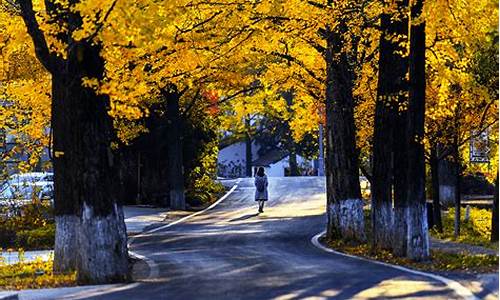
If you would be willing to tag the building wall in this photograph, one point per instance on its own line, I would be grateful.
(231, 160)
(278, 169)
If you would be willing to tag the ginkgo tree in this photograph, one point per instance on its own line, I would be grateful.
(90, 231)
(358, 66)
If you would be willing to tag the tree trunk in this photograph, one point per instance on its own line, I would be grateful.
(294, 168)
(344, 203)
(390, 128)
(418, 236)
(458, 192)
(321, 159)
(494, 214)
(447, 184)
(175, 165)
(248, 149)
(401, 183)
(434, 164)
(90, 229)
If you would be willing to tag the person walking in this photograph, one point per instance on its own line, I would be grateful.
(261, 183)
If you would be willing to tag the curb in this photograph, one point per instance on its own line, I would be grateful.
(9, 296)
(154, 269)
(459, 289)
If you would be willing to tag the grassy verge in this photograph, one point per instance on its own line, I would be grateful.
(32, 229)
(33, 275)
(440, 261)
(475, 231)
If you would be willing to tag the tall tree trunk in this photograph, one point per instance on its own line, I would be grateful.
(294, 167)
(89, 216)
(447, 181)
(290, 142)
(389, 128)
(248, 149)
(321, 155)
(90, 230)
(494, 212)
(458, 192)
(66, 209)
(344, 204)
(418, 236)
(175, 159)
(434, 164)
(400, 171)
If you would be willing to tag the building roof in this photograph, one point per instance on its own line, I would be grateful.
(269, 158)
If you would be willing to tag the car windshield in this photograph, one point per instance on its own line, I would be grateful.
(30, 178)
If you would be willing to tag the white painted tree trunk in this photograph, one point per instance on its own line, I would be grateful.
(347, 219)
(66, 246)
(177, 199)
(102, 240)
(400, 238)
(383, 229)
(418, 237)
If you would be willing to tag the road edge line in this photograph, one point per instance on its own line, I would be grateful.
(191, 215)
(459, 289)
(154, 270)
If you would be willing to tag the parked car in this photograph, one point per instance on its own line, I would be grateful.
(30, 177)
(27, 178)
(14, 195)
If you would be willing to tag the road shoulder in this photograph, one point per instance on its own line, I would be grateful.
(454, 285)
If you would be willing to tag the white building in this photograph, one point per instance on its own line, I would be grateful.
(231, 161)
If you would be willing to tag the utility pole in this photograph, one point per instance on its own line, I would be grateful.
(321, 159)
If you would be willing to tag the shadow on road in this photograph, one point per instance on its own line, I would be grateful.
(245, 217)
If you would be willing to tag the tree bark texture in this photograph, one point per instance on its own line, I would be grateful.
(418, 238)
(344, 203)
(90, 229)
(248, 149)
(458, 192)
(174, 136)
(294, 168)
(434, 164)
(388, 151)
(447, 182)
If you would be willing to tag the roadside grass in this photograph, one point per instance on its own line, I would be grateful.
(440, 261)
(475, 231)
(33, 275)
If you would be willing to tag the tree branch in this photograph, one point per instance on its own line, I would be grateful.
(41, 48)
(101, 24)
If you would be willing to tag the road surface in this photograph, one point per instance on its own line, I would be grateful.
(231, 252)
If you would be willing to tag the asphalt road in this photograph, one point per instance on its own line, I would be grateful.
(231, 252)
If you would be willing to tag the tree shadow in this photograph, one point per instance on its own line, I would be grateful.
(245, 217)
(262, 259)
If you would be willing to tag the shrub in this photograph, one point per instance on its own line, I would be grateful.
(40, 238)
(475, 232)
(30, 228)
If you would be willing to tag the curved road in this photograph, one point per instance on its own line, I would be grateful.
(230, 252)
